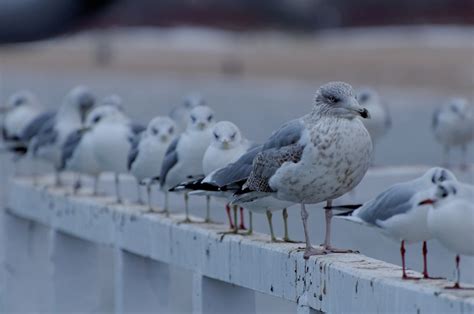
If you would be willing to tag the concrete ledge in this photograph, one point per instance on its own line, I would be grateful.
(335, 283)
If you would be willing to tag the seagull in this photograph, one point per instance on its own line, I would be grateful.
(451, 219)
(453, 126)
(180, 113)
(22, 108)
(397, 212)
(77, 152)
(316, 158)
(111, 142)
(227, 145)
(380, 121)
(148, 152)
(183, 158)
(53, 128)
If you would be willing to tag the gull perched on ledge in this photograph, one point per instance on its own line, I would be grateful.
(316, 158)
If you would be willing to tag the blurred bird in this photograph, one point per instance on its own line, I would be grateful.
(53, 128)
(111, 141)
(227, 145)
(380, 121)
(318, 157)
(22, 108)
(451, 219)
(148, 151)
(180, 113)
(453, 126)
(78, 154)
(398, 213)
(183, 158)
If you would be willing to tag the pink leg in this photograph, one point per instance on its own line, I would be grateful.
(425, 263)
(242, 224)
(404, 274)
(231, 224)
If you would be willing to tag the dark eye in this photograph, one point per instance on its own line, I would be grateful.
(233, 136)
(18, 102)
(454, 191)
(332, 99)
(193, 119)
(216, 136)
(96, 119)
(209, 118)
(171, 130)
(154, 131)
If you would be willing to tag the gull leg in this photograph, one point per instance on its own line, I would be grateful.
(186, 209)
(457, 285)
(250, 231)
(234, 229)
(165, 209)
(57, 178)
(270, 225)
(95, 188)
(77, 184)
(117, 188)
(327, 240)
(242, 224)
(148, 195)
(464, 164)
(425, 264)
(208, 209)
(235, 209)
(404, 273)
(139, 194)
(229, 217)
(308, 250)
(286, 238)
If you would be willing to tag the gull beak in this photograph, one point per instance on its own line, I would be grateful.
(353, 105)
(201, 125)
(427, 201)
(225, 144)
(164, 138)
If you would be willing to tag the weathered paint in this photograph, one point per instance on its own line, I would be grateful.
(335, 283)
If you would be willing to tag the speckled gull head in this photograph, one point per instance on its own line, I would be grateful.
(105, 113)
(459, 106)
(226, 135)
(338, 99)
(161, 128)
(367, 95)
(200, 118)
(81, 100)
(22, 98)
(437, 175)
(442, 193)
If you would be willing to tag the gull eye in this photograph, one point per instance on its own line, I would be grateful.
(96, 119)
(232, 137)
(216, 136)
(332, 99)
(154, 131)
(209, 119)
(193, 119)
(171, 130)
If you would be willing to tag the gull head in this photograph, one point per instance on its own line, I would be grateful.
(192, 101)
(458, 106)
(113, 100)
(443, 192)
(162, 128)
(200, 118)
(338, 99)
(22, 98)
(438, 175)
(367, 95)
(81, 100)
(105, 113)
(225, 135)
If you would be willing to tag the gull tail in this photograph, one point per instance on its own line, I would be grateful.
(246, 196)
(350, 213)
(194, 185)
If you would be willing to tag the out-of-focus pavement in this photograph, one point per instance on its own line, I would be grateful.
(261, 80)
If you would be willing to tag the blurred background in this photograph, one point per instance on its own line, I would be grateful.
(257, 63)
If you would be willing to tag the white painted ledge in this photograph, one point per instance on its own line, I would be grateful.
(335, 283)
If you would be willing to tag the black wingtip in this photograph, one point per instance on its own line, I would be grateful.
(344, 207)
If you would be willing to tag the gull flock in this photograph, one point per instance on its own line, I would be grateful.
(315, 158)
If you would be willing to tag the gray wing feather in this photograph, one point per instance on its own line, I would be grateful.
(47, 135)
(287, 134)
(37, 124)
(70, 145)
(435, 119)
(394, 201)
(169, 161)
(236, 171)
(133, 154)
(137, 128)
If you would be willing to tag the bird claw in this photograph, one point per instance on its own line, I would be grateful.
(407, 277)
(311, 251)
(330, 249)
(288, 240)
(428, 277)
